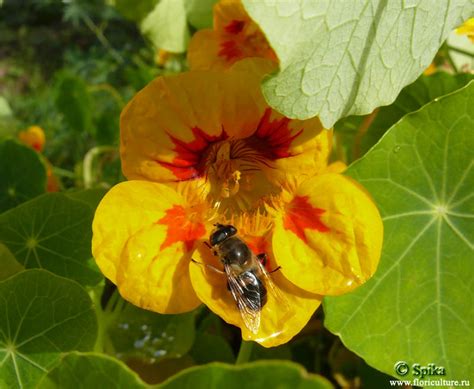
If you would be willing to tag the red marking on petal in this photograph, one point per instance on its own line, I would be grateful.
(259, 245)
(180, 229)
(229, 50)
(187, 164)
(275, 135)
(235, 26)
(38, 146)
(301, 215)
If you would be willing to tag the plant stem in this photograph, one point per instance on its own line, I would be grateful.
(102, 39)
(361, 131)
(460, 51)
(63, 172)
(89, 158)
(244, 353)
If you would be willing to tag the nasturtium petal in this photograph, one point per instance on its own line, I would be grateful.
(328, 238)
(337, 60)
(419, 306)
(203, 51)
(143, 240)
(171, 122)
(234, 37)
(171, 127)
(282, 317)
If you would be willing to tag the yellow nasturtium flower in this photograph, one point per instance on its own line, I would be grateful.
(467, 28)
(34, 137)
(203, 147)
(235, 36)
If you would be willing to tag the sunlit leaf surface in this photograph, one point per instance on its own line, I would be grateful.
(419, 306)
(52, 232)
(41, 316)
(360, 133)
(339, 58)
(89, 370)
(255, 375)
(166, 26)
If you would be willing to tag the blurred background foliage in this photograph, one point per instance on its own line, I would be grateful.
(70, 67)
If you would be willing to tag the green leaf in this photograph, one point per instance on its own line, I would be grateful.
(413, 97)
(89, 370)
(5, 109)
(8, 264)
(268, 374)
(74, 102)
(211, 348)
(199, 12)
(166, 26)
(91, 197)
(52, 232)
(424, 90)
(338, 60)
(42, 316)
(419, 306)
(150, 336)
(22, 174)
(134, 10)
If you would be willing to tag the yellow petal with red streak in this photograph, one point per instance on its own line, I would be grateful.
(328, 238)
(143, 242)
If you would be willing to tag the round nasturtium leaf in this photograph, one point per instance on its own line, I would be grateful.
(255, 375)
(41, 316)
(412, 98)
(22, 174)
(166, 26)
(90, 370)
(424, 90)
(8, 263)
(339, 59)
(52, 232)
(419, 306)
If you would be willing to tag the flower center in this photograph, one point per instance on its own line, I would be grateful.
(235, 172)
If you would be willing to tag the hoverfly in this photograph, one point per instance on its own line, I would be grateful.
(247, 279)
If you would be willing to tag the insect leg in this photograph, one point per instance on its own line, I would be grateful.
(208, 266)
(274, 270)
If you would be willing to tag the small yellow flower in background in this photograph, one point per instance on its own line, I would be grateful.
(33, 137)
(467, 29)
(162, 56)
(203, 147)
(234, 37)
(430, 69)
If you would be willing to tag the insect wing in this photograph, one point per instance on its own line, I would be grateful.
(283, 304)
(246, 296)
